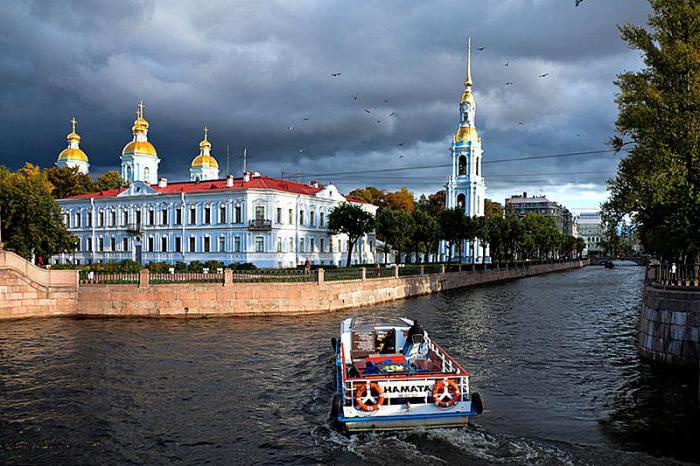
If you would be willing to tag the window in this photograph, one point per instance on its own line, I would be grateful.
(330, 245)
(312, 218)
(259, 244)
(146, 173)
(151, 217)
(89, 244)
(88, 218)
(126, 216)
(193, 244)
(125, 244)
(279, 242)
(291, 217)
(207, 244)
(279, 215)
(291, 244)
(112, 244)
(178, 244)
(222, 244)
(462, 166)
(100, 244)
(207, 215)
(301, 217)
(238, 214)
(313, 245)
(164, 217)
(461, 201)
(237, 244)
(100, 219)
(323, 245)
(113, 217)
(301, 244)
(178, 216)
(340, 245)
(164, 244)
(476, 165)
(193, 215)
(77, 219)
(222, 214)
(259, 212)
(151, 246)
(320, 219)
(138, 217)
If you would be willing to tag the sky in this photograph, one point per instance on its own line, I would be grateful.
(258, 74)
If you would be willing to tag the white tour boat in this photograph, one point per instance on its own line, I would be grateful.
(391, 375)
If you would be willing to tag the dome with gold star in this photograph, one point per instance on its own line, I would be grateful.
(205, 159)
(73, 152)
(140, 144)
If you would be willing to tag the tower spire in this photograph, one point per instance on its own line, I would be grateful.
(468, 81)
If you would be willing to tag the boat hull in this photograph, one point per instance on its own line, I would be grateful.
(406, 422)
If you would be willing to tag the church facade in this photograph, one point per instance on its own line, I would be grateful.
(249, 219)
(466, 187)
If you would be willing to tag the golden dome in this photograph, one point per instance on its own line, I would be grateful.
(468, 97)
(73, 137)
(140, 148)
(205, 161)
(72, 154)
(467, 134)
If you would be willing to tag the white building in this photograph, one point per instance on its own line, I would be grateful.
(589, 227)
(466, 187)
(252, 219)
(73, 156)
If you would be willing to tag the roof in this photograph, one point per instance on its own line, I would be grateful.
(369, 323)
(255, 182)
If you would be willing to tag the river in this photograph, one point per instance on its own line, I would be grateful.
(553, 356)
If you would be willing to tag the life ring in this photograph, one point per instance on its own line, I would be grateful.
(369, 397)
(445, 393)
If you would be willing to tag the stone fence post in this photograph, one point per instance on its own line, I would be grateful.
(442, 269)
(459, 268)
(228, 277)
(396, 270)
(422, 270)
(321, 275)
(144, 278)
(363, 273)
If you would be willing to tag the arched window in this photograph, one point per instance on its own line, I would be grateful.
(461, 201)
(462, 166)
(128, 173)
(476, 164)
(147, 173)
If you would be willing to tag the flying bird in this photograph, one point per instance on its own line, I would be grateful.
(302, 149)
(305, 119)
(544, 75)
(368, 111)
(386, 101)
(401, 144)
(505, 64)
(520, 123)
(480, 49)
(509, 84)
(578, 2)
(355, 96)
(334, 75)
(379, 121)
(392, 114)
(291, 127)
(400, 156)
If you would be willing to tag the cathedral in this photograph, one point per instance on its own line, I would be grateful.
(248, 219)
(466, 188)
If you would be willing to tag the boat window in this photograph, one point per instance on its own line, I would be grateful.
(386, 341)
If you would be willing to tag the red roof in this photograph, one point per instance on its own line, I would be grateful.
(257, 182)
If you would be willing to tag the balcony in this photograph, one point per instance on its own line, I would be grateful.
(260, 224)
(134, 228)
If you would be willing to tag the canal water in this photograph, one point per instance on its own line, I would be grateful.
(553, 356)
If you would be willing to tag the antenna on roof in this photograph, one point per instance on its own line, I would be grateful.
(245, 156)
(228, 155)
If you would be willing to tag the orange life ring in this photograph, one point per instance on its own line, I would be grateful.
(445, 393)
(369, 397)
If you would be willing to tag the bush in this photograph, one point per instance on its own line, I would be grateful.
(158, 267)
(244, 266)
(181, 267)
(195, 266)
(213, 266)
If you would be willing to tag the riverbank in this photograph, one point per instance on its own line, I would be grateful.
(25, 297)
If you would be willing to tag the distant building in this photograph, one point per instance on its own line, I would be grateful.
(589, 227)
(522, 205)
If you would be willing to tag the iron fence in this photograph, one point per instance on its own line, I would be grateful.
(676, 275)
(274, 275)
(107, 278)
(185, 277)
(352, 273)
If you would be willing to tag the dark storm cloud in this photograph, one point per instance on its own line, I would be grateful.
(249, 70)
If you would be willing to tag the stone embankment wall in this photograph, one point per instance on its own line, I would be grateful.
(669, 325)
(30, 291)
(260, 299)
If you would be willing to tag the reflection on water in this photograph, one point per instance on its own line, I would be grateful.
(553, 356)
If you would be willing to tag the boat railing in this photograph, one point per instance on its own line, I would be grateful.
(351, 385)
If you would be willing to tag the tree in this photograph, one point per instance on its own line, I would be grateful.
(434, 204)
(658, 183)
(401, 200)
(369, 195)
(110, 180)
(67, 182)
(492, 209)
(454, 228)
(426, 232)
(32, 224)
(352, 220)
(388, 228)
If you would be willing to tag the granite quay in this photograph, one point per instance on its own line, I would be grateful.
(29, 291)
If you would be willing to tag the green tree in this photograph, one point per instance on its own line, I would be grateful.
(454, 228)
(110, 180)
(434, 204)
(426, 232)
(31, 219)
(658, 183)
(352, 220)
(388, 228)
(480, 231)
(67, 182)
(492, 208)
(401, 200)
(369, 195)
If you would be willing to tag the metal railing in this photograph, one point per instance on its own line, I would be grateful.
(260, 224)
(674, 275)
(274, 275)
(185, 277)
(107, 278)
(352, 273)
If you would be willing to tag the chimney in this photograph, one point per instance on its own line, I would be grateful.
(524, 194)
(246, 177)
(163, 182)
(229, 181)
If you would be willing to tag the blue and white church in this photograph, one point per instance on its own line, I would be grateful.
(466, 187)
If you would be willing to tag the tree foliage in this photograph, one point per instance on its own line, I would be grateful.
(31, 219)
(658, 183)
(352, 220)
(492, 208)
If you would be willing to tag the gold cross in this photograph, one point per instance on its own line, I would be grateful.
(141, 106)
(73, 122)
(206, 132)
